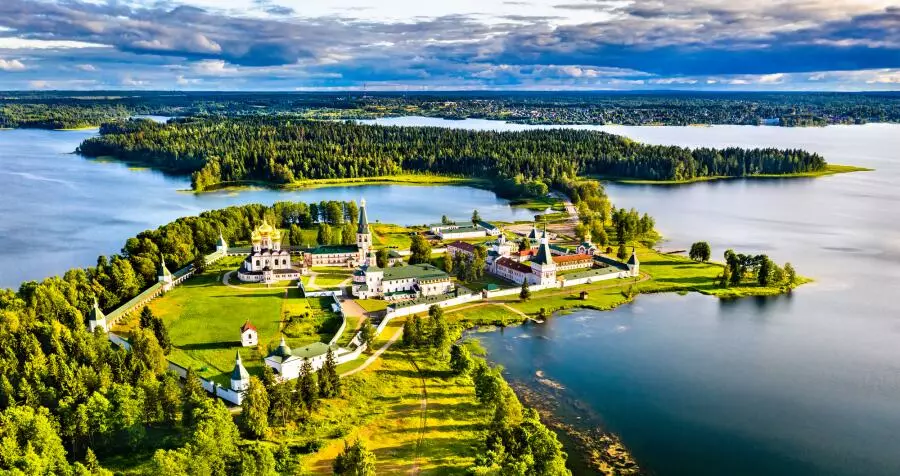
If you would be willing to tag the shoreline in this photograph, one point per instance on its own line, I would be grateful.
(830, 169)
(590, 445)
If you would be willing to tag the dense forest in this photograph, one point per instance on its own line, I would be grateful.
(62, 109)
(69, 399)
(279, 150)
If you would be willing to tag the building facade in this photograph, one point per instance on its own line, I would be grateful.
(399, 282)
(287, 362)
(267, 261)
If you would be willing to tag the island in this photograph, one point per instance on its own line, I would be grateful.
(305, 337)
(284, 151)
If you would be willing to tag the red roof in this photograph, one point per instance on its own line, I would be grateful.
(468, 247)
(514, 265)
(572, 258)
(247, 326)
(527, 252)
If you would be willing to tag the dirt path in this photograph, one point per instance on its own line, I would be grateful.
(374, 357)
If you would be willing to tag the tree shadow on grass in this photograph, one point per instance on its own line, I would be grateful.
(210, 345)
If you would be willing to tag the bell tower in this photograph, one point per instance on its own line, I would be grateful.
(363, 235)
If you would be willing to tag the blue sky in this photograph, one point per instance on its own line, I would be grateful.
(461, 44)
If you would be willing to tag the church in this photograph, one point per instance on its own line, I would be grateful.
(267, 261)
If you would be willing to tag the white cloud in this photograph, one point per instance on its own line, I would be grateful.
(182, 81)
(771, 78)
(886, 77)
(11, 43)
(38, 84)
(86, 67)
(11, 65)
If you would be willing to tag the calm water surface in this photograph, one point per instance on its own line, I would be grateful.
(60, 210)
(805, 384)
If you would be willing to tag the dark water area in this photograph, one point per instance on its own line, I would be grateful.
(805, 384)
(59, 210)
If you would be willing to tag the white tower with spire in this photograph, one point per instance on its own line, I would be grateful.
(363, 234)
(240, 378)
(221, 244)
(97, 318)
(165, 276)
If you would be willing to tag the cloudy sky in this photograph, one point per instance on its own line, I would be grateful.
(451, 44)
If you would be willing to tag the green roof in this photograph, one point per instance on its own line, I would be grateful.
(239, 372)
(486, 225)
(334, 249)
(462, 229)
(363, 227)
(591, 272)
(420, 271)
(634, 258)
(311, 350)
(543, 255)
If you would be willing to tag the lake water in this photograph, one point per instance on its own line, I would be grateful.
(805, 384)
(796, 385)
(60, 210)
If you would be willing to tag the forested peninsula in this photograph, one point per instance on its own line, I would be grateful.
(281, 151)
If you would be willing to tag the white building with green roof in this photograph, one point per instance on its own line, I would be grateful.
(397, 283)
(287, 362)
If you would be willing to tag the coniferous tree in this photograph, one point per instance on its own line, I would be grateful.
(255, 409)
(307, 391)
(329, 380)
(525, 292)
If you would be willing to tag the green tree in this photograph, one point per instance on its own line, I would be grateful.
(257, 460)
(30, 442)
(440, 334)
(307, 391)
(147, 354)
(355, 460)
(255, 409)
(348, 234)
(323, 237)
(790, 275)
(700, 251)
(764, 273)
(460, 360)
(381, 258)
(367, 334)
(622, 252)
(329, 380)
(420, 250)
(475, 217)
(192, 396)
(525, 292)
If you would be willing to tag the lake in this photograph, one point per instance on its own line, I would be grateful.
(805, 384)
(60, 210)
(795, 385)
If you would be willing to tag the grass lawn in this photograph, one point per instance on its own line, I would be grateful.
(383, 406)
(204, 317)
(372, 305)
(331, 277)
(308, 320)
(353, 323)
(391, 236)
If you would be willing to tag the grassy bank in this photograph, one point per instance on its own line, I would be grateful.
(830, 169)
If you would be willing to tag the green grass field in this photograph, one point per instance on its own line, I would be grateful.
(204, 317)
(331, 277)
(384, 406)
(372, 305)
(391, 236)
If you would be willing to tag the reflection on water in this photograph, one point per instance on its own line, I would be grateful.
(61, 211)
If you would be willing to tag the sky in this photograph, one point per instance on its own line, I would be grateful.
(429, 45)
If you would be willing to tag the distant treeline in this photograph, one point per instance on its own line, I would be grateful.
(70, 109)
(278, 150)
